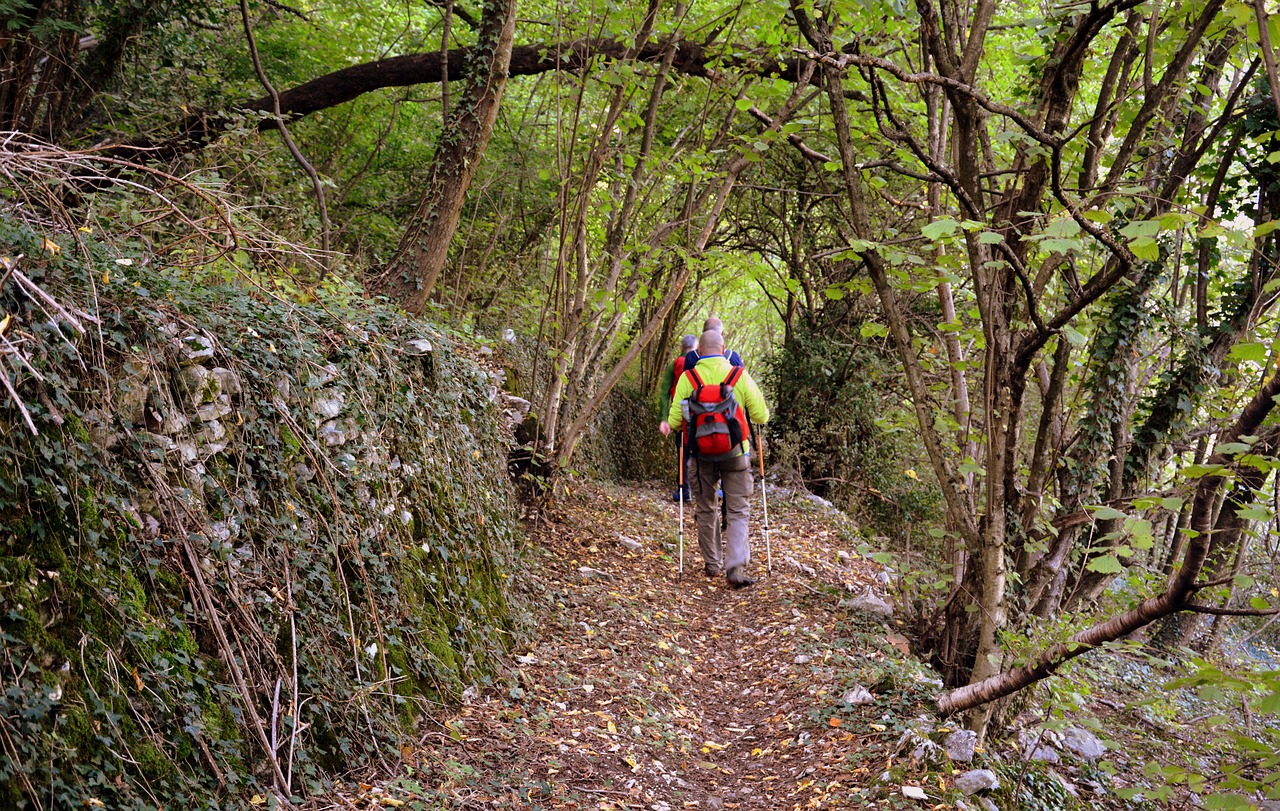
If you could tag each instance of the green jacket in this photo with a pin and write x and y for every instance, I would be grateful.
(664, 391)
(712, 371)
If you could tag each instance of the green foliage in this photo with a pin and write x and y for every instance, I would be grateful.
(831, 425)
(379, 566)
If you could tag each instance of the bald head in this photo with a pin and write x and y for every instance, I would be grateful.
(711, 343)
(713, 323)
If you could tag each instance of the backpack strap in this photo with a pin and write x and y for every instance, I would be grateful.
(692, 374)
(732, 379)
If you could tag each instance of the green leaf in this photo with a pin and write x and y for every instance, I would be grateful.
(1171, 504)
(1262, 229)
(1254, 513)
(743, 105)
(989, 238)
(939, 228)
(1259, 604)
(1200, 471)
(1063, 227)
(1075, 336)
(1270, 704)
(1140, 229)
(1141, 534)
(1252, 350)
(835, 292)
(1145, 248)
(1106, 564)
(1231, 448)
(1106, 513)
(872, 330)
(1098, 216)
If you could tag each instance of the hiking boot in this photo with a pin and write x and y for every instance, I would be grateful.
(712, 570)
(738, 578)
(688, 496)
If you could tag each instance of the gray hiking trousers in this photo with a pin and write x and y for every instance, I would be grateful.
(733, 549)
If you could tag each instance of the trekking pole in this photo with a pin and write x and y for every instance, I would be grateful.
(680, 478)
(768, 551)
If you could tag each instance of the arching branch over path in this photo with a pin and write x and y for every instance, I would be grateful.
(341, 86)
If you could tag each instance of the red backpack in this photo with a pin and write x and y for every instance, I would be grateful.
(675, 378)
(714, 424)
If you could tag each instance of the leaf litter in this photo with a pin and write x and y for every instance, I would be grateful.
(647, 690)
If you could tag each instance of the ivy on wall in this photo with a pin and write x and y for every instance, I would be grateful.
(251, 542)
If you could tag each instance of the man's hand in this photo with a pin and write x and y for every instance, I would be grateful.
(664, 428)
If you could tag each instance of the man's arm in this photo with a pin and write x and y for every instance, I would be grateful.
(675, 414)
(664, 395)
(752, 400)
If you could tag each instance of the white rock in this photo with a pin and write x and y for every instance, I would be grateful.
(332, 435)
(844, 557)
(1031, 745)
(228, 380)
(960, 745)
(1082, 743)
(216, 410)
(869, 603)
(213, 431)
(914, 793)
(975, 780)
(328, 374)
(330, 404)
(187, 450)
(630, 543)
(419, 346)
(803, 659)
(592, 574)
(858, 696)
(197, 384)
(171, 421)
(196, 348)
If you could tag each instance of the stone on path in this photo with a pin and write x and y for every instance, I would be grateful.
(975, 780)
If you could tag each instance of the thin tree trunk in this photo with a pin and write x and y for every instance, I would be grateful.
(411, 274)
(1177, 597)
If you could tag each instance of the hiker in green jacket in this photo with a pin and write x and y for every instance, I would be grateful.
(720, 443)
(666, 388)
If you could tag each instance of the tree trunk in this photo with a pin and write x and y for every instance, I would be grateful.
(411, 274)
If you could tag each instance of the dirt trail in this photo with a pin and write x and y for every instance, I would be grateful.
(645, 690)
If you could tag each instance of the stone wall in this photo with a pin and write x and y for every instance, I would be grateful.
(251, 544)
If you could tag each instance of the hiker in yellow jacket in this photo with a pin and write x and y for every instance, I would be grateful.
(734, 472)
